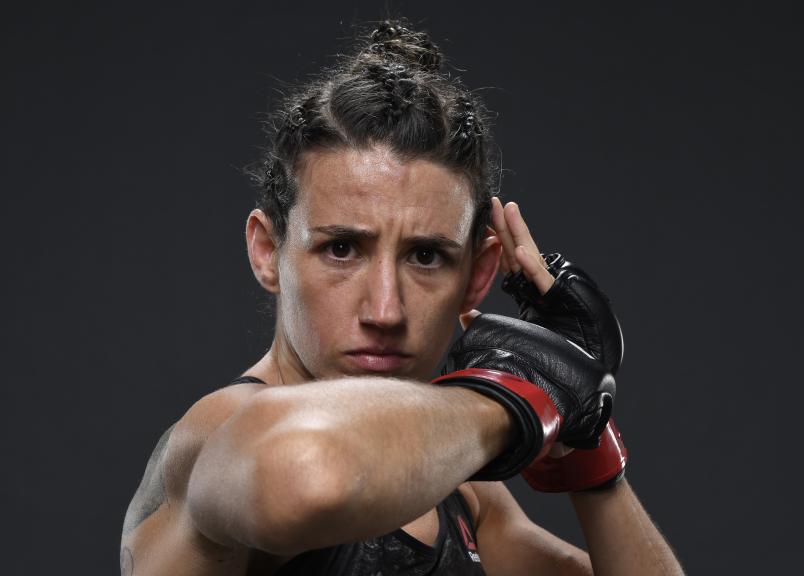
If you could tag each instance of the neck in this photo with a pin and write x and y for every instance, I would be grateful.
(280, 365)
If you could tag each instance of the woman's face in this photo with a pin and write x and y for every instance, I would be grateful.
(376, 264)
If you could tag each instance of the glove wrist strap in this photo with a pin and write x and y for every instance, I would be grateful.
(582, 470)
(533, 412)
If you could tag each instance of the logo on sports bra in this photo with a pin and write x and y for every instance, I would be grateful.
(468, 539)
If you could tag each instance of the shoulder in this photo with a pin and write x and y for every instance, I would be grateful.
(168, 468)
(498, 507)
(484, 496)
(191, 432)
(493, 498)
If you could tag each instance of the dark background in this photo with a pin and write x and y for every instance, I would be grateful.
(656, 143)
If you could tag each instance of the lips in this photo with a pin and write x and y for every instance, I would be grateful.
(378, 360)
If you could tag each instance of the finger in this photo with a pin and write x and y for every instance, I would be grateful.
(509, 262)
(494, 223)
(534, 270)
(498, 218)
(466, 319)
(533, 265)
(518, 229)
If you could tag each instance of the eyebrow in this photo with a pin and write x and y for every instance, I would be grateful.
(433, 240)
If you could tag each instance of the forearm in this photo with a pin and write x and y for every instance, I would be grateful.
(405, 447)
(329, 462)
(620, 535)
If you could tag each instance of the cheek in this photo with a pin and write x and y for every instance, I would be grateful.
(434, 316)
(314, 312)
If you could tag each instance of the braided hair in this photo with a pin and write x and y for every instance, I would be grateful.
(390, 91)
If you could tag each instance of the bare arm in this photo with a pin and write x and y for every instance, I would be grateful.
(621, 537)
(510, 544)
(321, 463)
(156, 536)
(151, 493)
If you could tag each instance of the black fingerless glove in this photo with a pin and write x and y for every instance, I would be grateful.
(574, 307)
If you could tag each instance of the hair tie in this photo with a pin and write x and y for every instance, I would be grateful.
(467, 119)
(297, 116)
(387, 31)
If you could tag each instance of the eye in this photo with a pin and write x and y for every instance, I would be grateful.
(339, 249)
(428, 258)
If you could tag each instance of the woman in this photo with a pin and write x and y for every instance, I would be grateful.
(333, 454)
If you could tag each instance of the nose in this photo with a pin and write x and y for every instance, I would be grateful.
(382, 304)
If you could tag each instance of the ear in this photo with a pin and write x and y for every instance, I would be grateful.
(484, 270)
(262, 250)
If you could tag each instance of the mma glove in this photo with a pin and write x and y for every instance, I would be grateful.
(553, 390)
(576, 308)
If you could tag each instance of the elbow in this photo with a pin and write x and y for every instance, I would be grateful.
(302, 494)
(275, 482)
(576, 563)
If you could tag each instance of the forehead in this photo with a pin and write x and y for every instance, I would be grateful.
(373, 187)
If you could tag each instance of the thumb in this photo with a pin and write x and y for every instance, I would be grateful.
(466, 318)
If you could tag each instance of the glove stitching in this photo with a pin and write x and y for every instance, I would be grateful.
(568, 391)
(592, 317)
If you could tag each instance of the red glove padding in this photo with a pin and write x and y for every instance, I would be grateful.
(600, 467)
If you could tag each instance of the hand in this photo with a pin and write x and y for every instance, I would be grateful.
(567, 301)
(520, 251)
(553, 390)
(571, 303)
(557, 449)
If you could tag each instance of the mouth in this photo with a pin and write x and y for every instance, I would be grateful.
(374, 360)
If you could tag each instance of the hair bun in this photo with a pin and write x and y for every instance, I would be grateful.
(393, 40)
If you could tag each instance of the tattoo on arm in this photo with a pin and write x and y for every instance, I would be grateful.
(126, 562)
(151, 493)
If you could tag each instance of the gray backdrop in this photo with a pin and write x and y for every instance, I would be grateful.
(656, 143)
